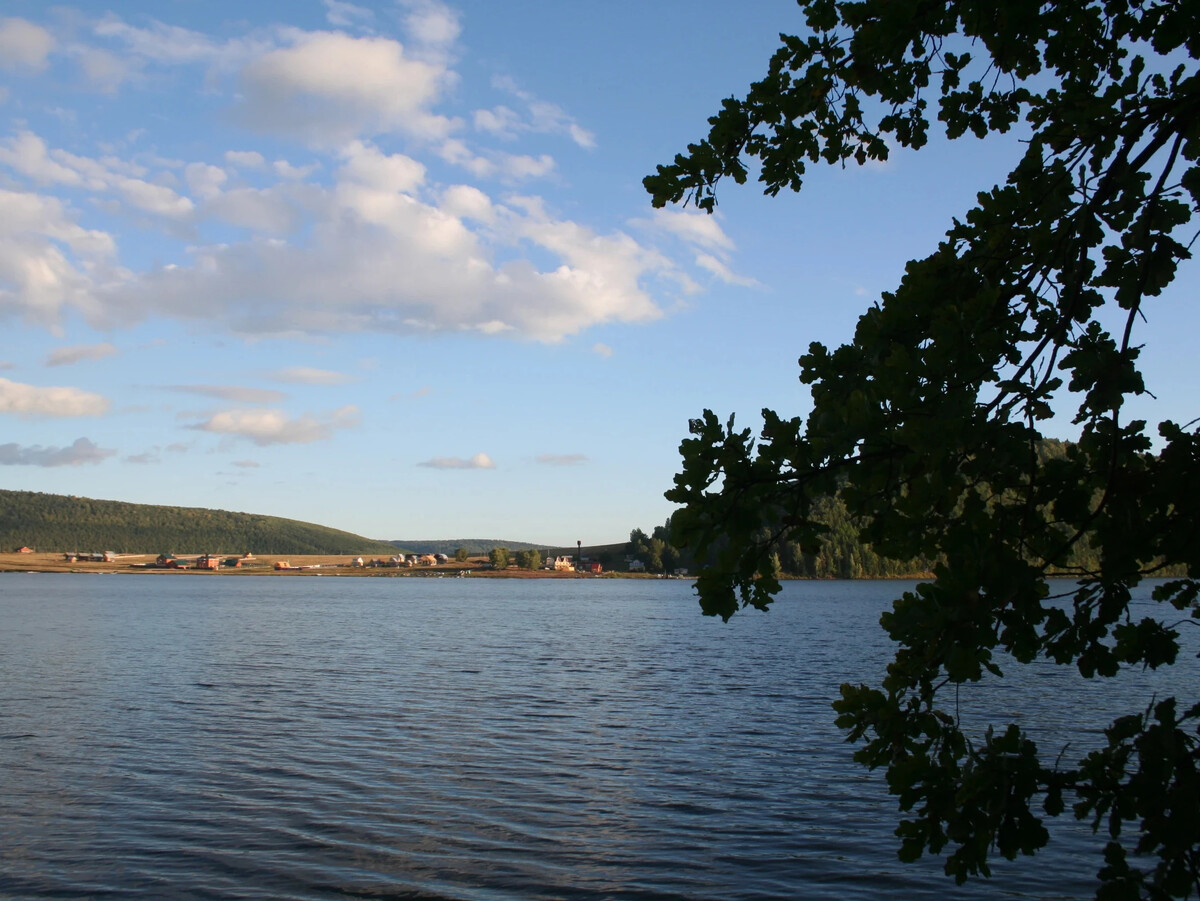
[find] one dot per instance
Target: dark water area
(319, 738)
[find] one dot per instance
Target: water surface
(221, 737)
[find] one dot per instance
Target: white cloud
(703, 233)
(205, 180)
(723, 272)
(236, 393)
(245, 159)
(431, 24)
(174, 45)
(81, 452)
(27, 153)
(47, 261)
(518, 168)
(540, 117)
(479, 461)
(104, 71)
(329, 88)
(346, 15)
(499, 121)
(265, 427)
(142, 459)
(23, 44)
(386, 261)
(276, 210)
(696, 228)
(369, 167)
(65, 356)
(246, 464)
(562, 459)
(306, 375)
(284, 169)
(466, 202)
(602, 349)
(30, 401)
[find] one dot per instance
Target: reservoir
(418, 738)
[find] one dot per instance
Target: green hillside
(54, 522)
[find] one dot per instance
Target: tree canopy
(928, 423)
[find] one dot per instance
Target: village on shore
(25, 559)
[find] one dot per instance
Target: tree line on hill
(52, 522)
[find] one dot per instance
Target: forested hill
(54, 522)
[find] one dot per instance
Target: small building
(594, 568)
(564, 564)
(208, 561)
(168, 560)
(232, 562)
(428, 560)
(23, 549)
(441, 558)
(357, 561)
(637, 566)
(282, 564)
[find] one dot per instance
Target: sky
(389, 266)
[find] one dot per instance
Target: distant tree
(529, 559)
(461, 555)
(499, 557)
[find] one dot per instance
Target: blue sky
(389, 266)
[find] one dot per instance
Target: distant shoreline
(298, 565)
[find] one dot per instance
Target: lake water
(312, 738)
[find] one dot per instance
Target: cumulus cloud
(83, 451)
(382, 259)
(562, 459)
(31, 401)
(47, 261)
(307, 375)
(28, 154)
(65, 356)
(236, 393)
(479, 461)
(23, 45)
(266, 427)
(329, 88)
